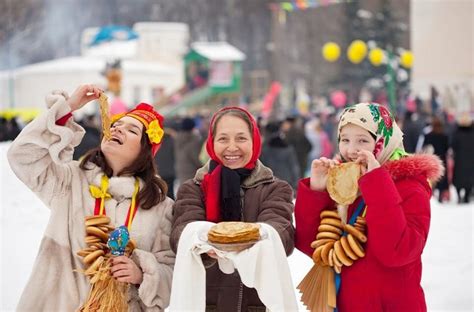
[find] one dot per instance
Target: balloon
(376, 56)
(331, 51)
(357, 51)
(406, 59)
(338, 98)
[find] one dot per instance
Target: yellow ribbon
(101, 192)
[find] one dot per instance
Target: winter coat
(397, 196)
(297, 138)
(41, 157)
(281, 159)
(463, 150)
(440, 144)
(187, 147)
(165, 159)
(265, 199)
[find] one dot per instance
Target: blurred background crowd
(294, 64)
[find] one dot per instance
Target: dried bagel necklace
(100, 195)
(337, 244)
(104, 241)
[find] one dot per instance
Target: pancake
(342, 183)
(233, 232)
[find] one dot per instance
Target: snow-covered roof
(114, 49)
(218, 51)
(85, 64)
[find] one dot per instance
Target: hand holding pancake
(367, 161)
(319, 172)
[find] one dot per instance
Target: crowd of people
(165, 177)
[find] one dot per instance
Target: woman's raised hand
(82, 95)
(319, 173)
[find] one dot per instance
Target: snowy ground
(447, 260)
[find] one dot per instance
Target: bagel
(92, 239)
(330, 235)
(92, 256)
(103, 228)
(361, 220)
(325, 252)
(329, 214)
(83, 252)
(100, 220)
(92, 230)
(329, 228)
(319, 242)
(355, 246)
(343, 258)
(347, 249)
(337, 268)
(336, 261)
(317, 255)
(356, 233)
(334, 222)
(331, 257)
(95, 265)
(359, 227)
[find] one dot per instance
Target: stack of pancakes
(234, 232)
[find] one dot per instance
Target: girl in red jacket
(394, 197)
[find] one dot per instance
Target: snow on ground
(447, 259)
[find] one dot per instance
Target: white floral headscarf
(376, 119)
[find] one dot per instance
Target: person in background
(233, 186)
(122, 168)
(436, 142)
(187, 146)
(463, 149)
(279, 156)
(91, 137)
(165, 160)
(295, 136)
(393, 197)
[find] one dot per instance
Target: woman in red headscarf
(116, 182)
(233, 186)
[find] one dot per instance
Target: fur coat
(41, 157)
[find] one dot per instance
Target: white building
(151, 64)
(442, 40)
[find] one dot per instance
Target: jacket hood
(260, 174)
(424, 165)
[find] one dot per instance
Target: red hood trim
(426, 165)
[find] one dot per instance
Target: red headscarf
(211, 184)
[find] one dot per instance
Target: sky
(447, 259)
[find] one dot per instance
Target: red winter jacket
(397, 196)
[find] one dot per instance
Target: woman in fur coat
(122, 168)
(394, 198)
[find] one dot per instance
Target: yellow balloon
(406, 59)
(331, 52)
(376, 56)
(357, 51)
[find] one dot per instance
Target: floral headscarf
(376, 119)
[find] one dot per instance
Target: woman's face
(353, 139)
(124, 146)
(233, 142)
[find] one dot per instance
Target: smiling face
(353, 139)
(233, 141)
(124, 146)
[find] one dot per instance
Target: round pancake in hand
(342, 182)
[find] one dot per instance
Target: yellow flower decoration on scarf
(155, 132)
